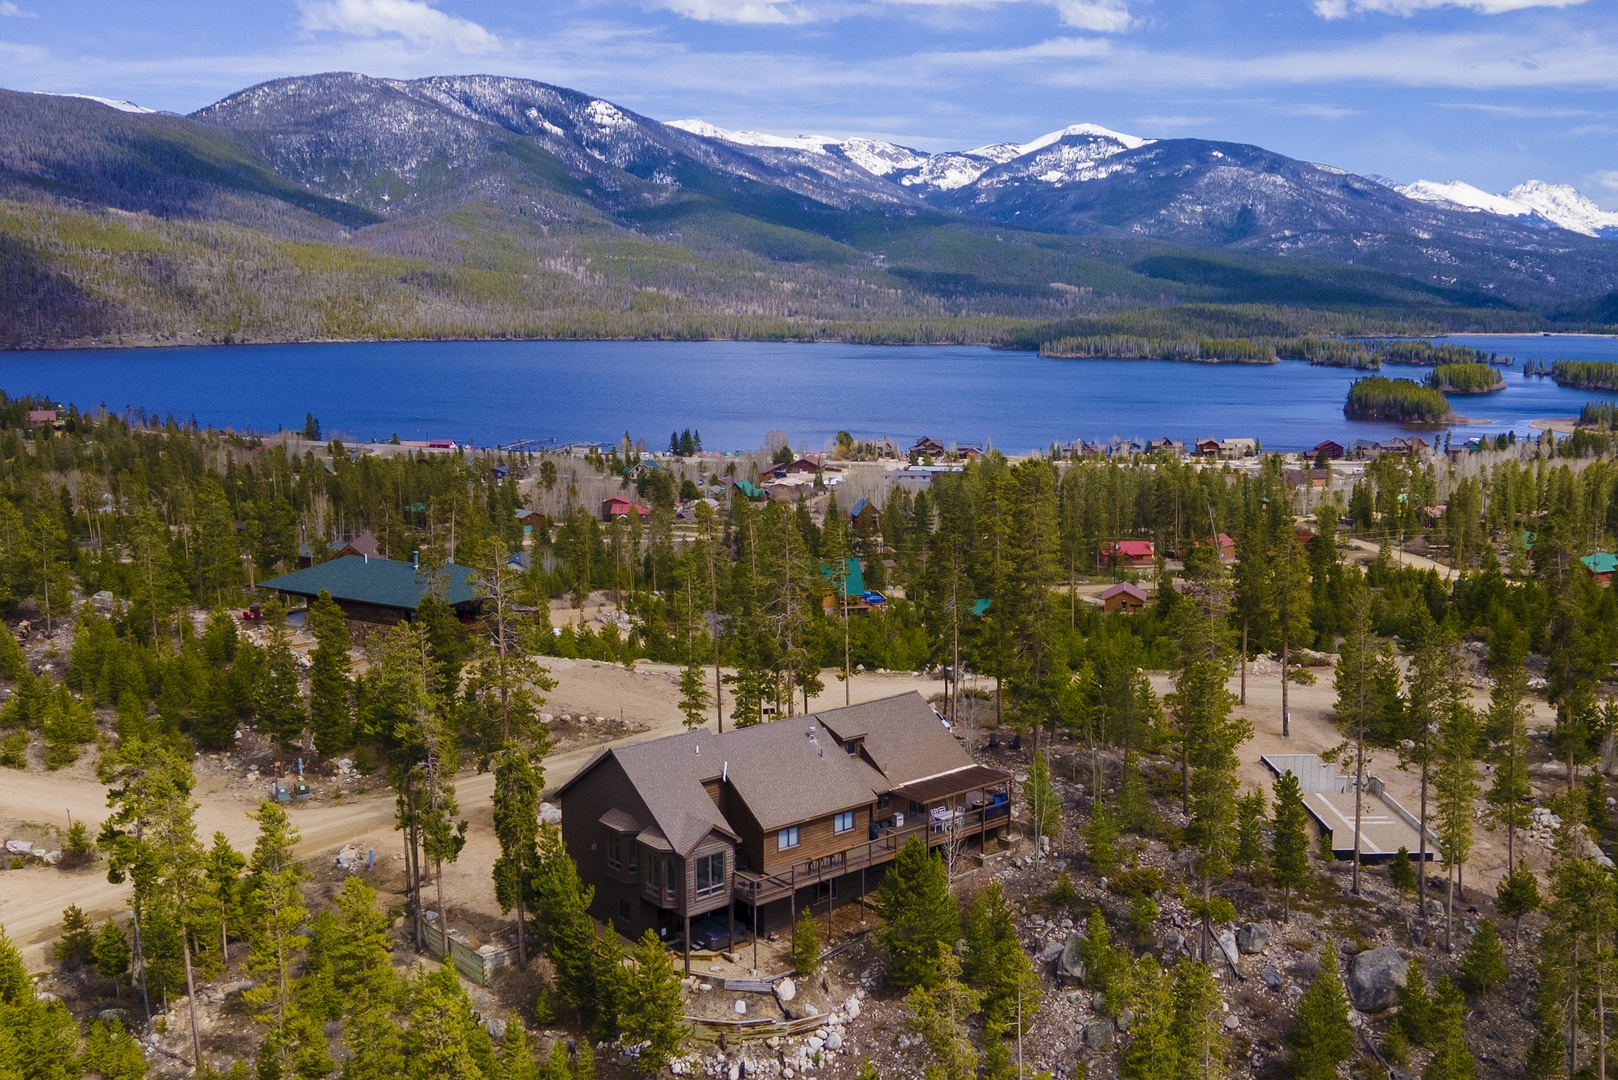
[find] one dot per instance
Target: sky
(1492, 92)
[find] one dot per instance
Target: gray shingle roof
(782, 775)
(903, 736)
(383, 582)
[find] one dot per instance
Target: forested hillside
(344, 207)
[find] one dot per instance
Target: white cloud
(1102, 16)
(1322, 112)
(8, 10)
(1608, 179)
(413, 20)
(766, 12)
(1342, 9)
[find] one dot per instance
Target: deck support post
(688, 944)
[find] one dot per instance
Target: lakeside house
(1330, 449)
(927, 447)
(381, 591)
(753, 826)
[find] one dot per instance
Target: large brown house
(751, 826)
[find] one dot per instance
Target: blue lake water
(488, 393)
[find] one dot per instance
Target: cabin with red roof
(1129, 553)
(617, 506)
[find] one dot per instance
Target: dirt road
(32, 900)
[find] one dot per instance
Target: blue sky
(1489, 91)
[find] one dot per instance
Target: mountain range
(356, 206)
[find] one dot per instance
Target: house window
(786, 838)
(881, 802)
(843, 822)
(615, 851)
(623, 910)
(826, 890)
(710, 874)
(852, 747)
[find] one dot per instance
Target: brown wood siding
(816, 839)
(691, 903)
(605, 787)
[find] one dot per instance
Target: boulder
(834, 1041)
(786, 990)
(1051, 951)
(1375, 979)
(1271, 977)
(1098, 1034)
(1227, 945)
(550, 813)
(852, 1008)
(1252, 938)
(1071, 962)
(495, 1026)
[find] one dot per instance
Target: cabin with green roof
(382, 591)
(1601, 565)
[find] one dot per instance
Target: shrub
(1401, 875)
(1483, 964)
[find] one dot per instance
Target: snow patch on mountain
(112, 103)
(1092, 131)
(1561, 205)
(815, 144)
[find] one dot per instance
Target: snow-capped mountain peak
(112, 103)
(1561, 205)
(1565, 205)
(1094, 131)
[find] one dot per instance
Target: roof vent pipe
(724, 773)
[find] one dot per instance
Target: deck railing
(753, 888)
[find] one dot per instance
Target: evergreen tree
(1452, 1059)
(919, 916)
(111, 953)
(438, 1042)
(1101, 840)
(330, 715)
(1360, 707)
(77, 941)
(562, 917)
(1289, 842)
(1251, 812)
(939, 1013)
(222, 872)
(1040, 801)
(1506, 725)
(1518, 895)
(517, 787)
(1455, 786)
(651, 1016)
(995, 964)
(1200, 1041)
(516, 1058)
(275, 929)
(1106, 966)
(1415, 1017)
(694, 696)
(279, 703)
(1321, 1038)
(1483, 964)
(805, 944)
(1153, 1051)
(112, 1053)
(1401, 872)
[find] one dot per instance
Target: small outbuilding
(1123, 597)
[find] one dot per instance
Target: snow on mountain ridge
(948, 170)
(112, 103)
(1561, 205)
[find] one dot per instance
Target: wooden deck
(753, 888)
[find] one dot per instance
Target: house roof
(1134, 549)
(785, 772)
(1600, 563)
(384, 583)
(904, 738)
(966, 778)
(853, 577)
(1124, 588)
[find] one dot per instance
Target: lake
(494, 392)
